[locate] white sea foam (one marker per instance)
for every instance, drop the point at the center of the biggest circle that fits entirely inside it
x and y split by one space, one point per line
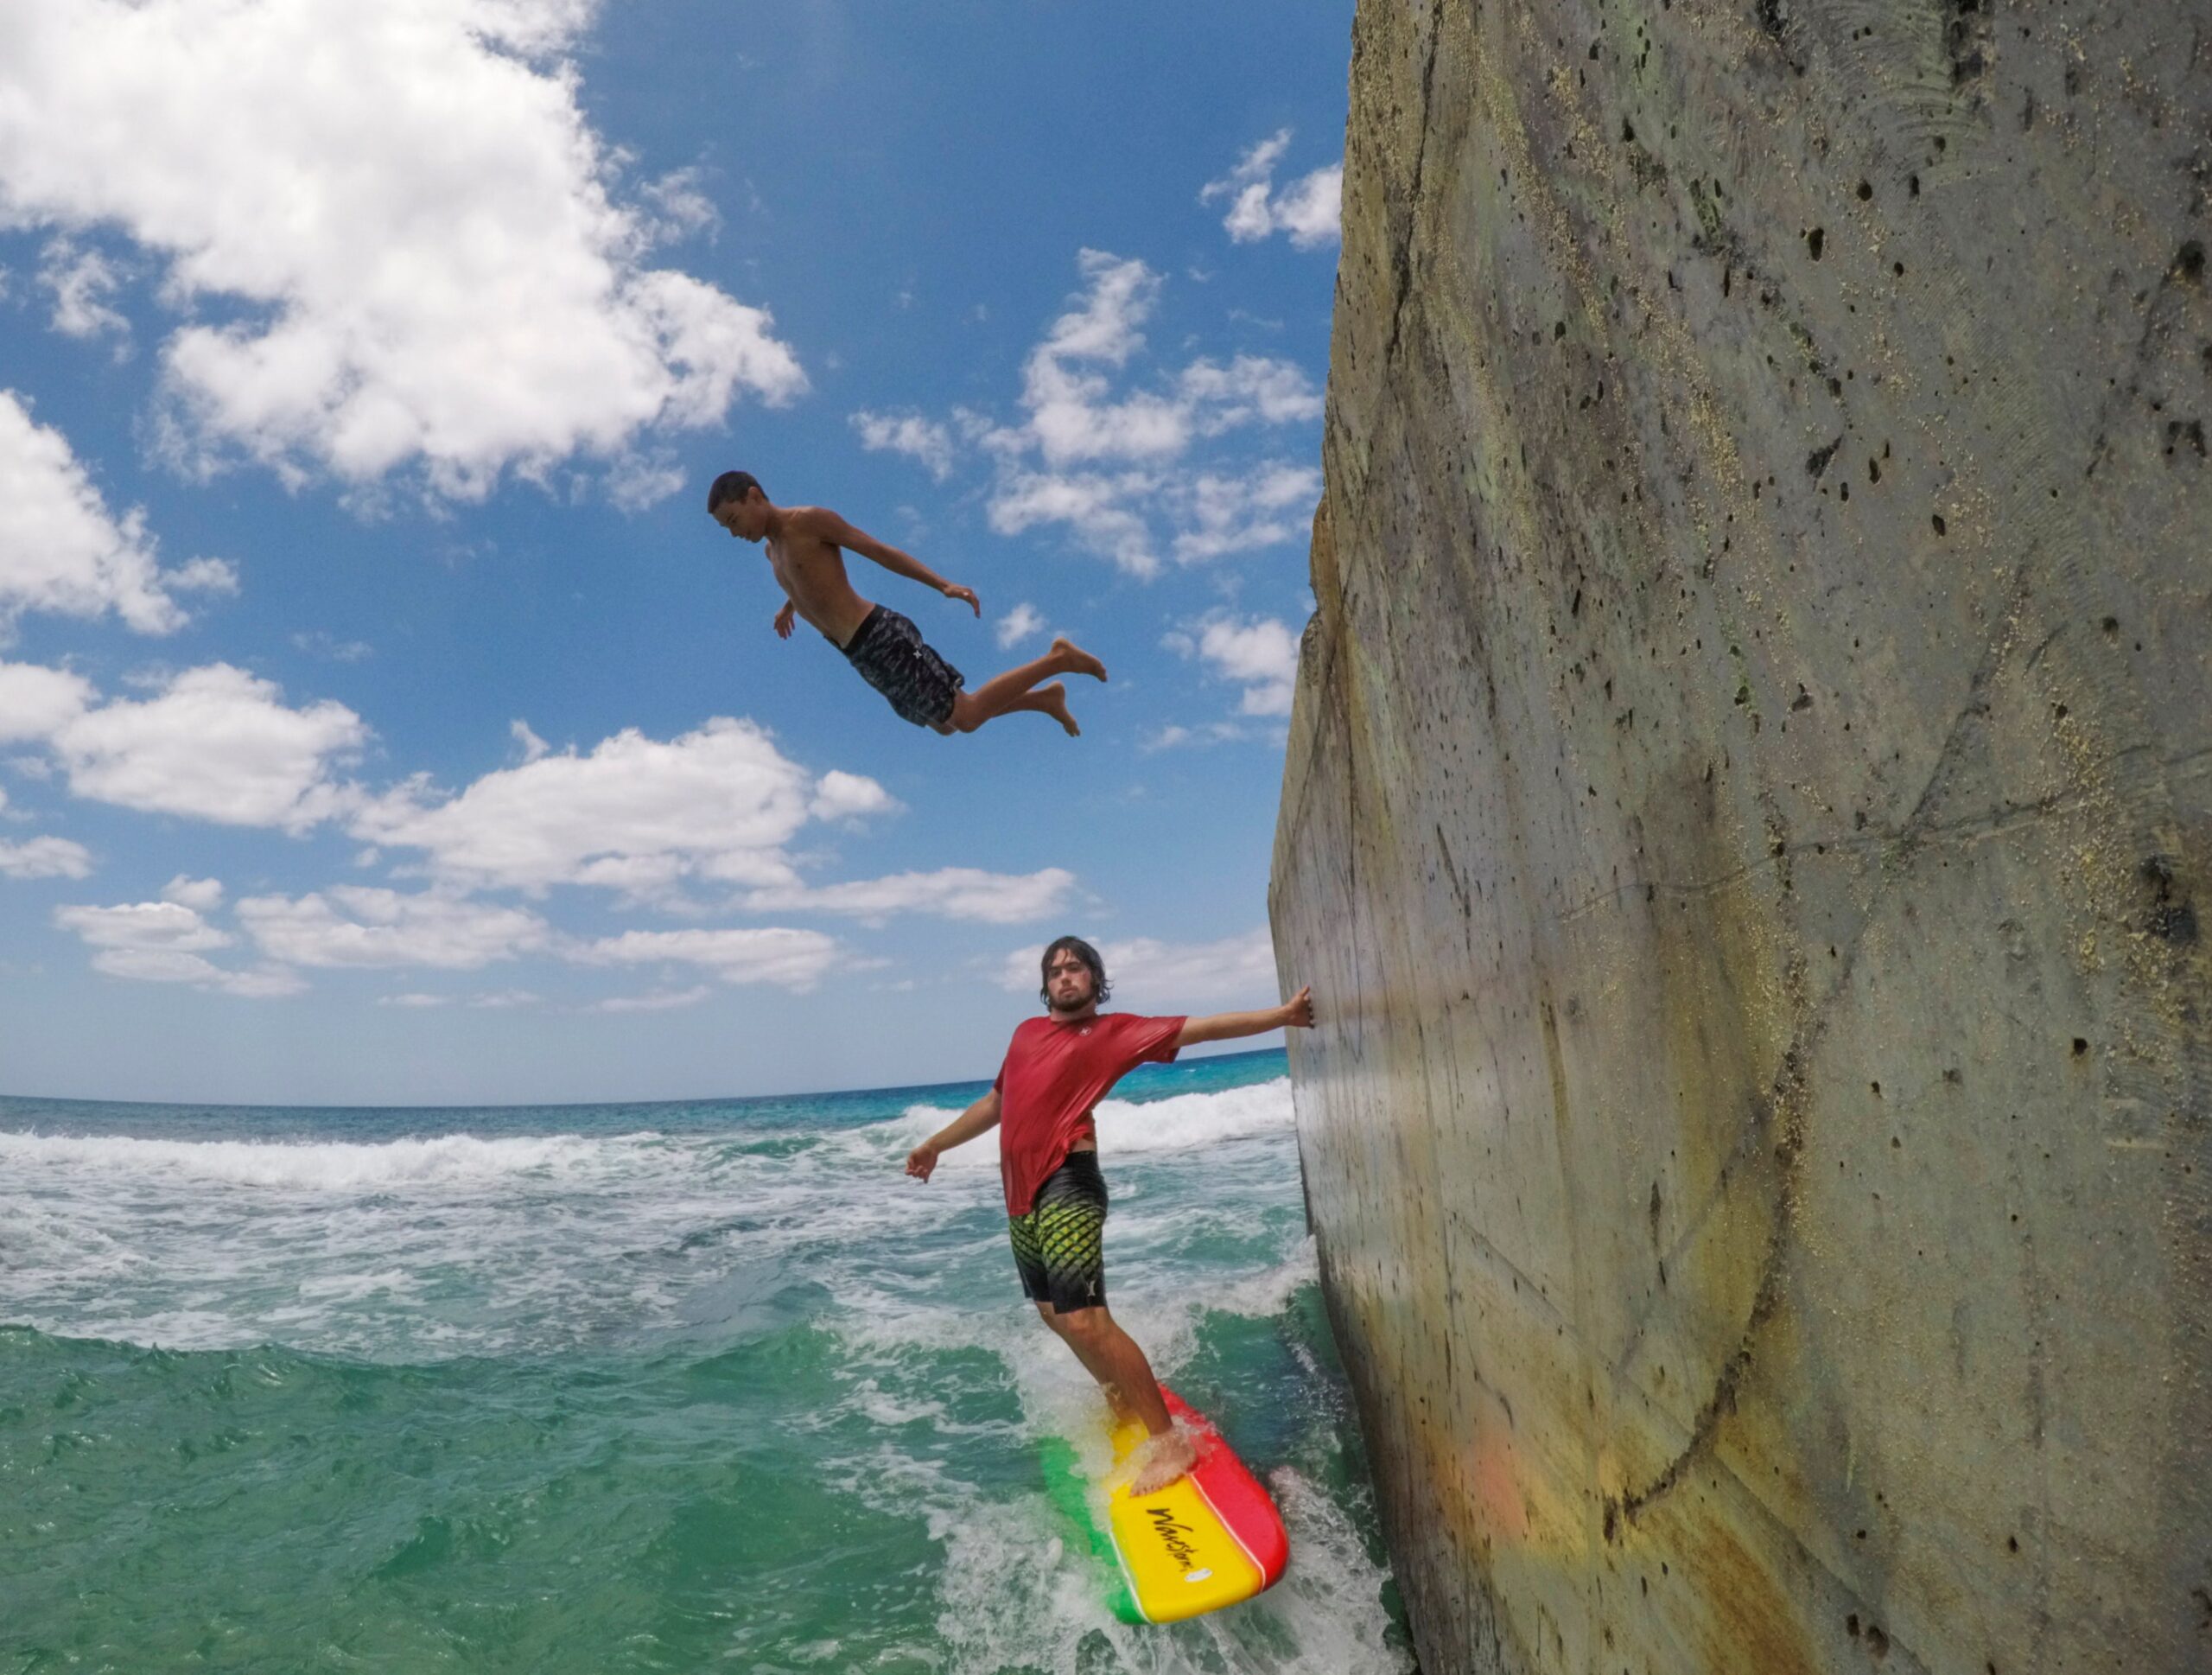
329 1166
1181 1122
467 1244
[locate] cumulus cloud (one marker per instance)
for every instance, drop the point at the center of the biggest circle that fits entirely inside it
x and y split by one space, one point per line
359 926
166 942
61 548
637 815
990 898
789 958
200 895
1109 464
215 743
909 434
1149 975
1262 655
44 857
842 796
80 282
168 965
1020 623
411 233
160 925
1307 209
36 702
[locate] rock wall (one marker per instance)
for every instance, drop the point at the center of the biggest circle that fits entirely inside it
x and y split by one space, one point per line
1746 804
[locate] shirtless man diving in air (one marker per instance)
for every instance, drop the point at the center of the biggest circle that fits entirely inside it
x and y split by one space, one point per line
888 650
1058 1069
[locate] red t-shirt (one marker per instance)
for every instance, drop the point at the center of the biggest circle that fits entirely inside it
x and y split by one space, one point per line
1054 1074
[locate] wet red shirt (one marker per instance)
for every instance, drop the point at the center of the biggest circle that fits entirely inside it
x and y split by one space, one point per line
1054 1074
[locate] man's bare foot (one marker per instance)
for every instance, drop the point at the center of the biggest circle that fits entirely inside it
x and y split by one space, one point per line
1161 1460
1080 662
1053 701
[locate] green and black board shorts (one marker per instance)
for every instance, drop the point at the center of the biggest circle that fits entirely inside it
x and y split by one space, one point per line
1060 1245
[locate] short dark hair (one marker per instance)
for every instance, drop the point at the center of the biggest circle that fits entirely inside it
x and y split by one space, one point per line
731 486
1100 989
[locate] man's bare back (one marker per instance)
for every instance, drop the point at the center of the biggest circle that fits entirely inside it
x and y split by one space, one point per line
806 547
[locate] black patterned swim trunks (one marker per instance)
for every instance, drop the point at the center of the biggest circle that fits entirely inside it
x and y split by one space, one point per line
1060 1245
891 656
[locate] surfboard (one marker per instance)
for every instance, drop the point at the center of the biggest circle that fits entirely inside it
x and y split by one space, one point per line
1211 1538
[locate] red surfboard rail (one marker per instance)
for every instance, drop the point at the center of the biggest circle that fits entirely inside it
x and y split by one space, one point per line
1245 1509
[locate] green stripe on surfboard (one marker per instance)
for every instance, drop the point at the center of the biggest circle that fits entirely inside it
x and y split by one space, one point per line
1071 1491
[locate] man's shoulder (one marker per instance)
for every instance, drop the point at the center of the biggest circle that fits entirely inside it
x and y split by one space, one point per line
817 522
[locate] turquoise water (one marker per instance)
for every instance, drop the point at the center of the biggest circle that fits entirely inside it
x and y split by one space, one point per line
694 1387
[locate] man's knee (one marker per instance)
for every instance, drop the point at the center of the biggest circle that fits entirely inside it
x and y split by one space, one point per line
1086 1326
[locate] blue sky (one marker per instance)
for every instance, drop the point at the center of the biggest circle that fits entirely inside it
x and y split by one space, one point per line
382 719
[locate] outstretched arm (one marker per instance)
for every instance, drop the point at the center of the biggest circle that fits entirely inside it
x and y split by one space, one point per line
899 563
979 1119
1296 1013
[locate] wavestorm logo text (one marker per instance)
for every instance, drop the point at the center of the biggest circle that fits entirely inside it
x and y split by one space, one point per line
1171 1535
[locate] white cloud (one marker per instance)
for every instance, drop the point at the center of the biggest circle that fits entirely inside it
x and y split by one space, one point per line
990 898
1020 623
532 745
164 942
842 796
1236 973
200 895
792 959
36 703
1268 507
44 857
413 1001
1173 737
353 925
1308 209
1099 509
909 434
216 744
167 965
637 815
680 208
164 925
60 548
1108 464
664 1000
80 282
323 644
409 225
1262 655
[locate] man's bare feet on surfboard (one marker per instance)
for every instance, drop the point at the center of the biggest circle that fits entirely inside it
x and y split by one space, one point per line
1080 662
1053 701
1161 1460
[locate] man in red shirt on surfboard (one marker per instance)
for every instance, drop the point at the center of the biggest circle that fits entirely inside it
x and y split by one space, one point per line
1057 1070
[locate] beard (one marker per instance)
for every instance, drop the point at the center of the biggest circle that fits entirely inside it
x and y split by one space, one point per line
1053 1002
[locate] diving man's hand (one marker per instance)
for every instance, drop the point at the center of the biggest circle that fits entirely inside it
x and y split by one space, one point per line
783 618
952 591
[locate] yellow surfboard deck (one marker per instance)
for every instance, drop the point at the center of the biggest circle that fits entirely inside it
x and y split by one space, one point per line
1209 1539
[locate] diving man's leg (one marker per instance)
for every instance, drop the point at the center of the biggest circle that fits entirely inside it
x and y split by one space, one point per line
1112 1359
1006 692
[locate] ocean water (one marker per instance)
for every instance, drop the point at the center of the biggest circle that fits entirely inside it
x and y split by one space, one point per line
696 1386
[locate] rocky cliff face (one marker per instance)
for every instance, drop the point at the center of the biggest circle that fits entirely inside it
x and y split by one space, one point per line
1745 820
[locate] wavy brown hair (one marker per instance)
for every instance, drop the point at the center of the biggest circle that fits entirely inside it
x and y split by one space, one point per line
1100 989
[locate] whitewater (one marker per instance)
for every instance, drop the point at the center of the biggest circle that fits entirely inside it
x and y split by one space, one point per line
666 1386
